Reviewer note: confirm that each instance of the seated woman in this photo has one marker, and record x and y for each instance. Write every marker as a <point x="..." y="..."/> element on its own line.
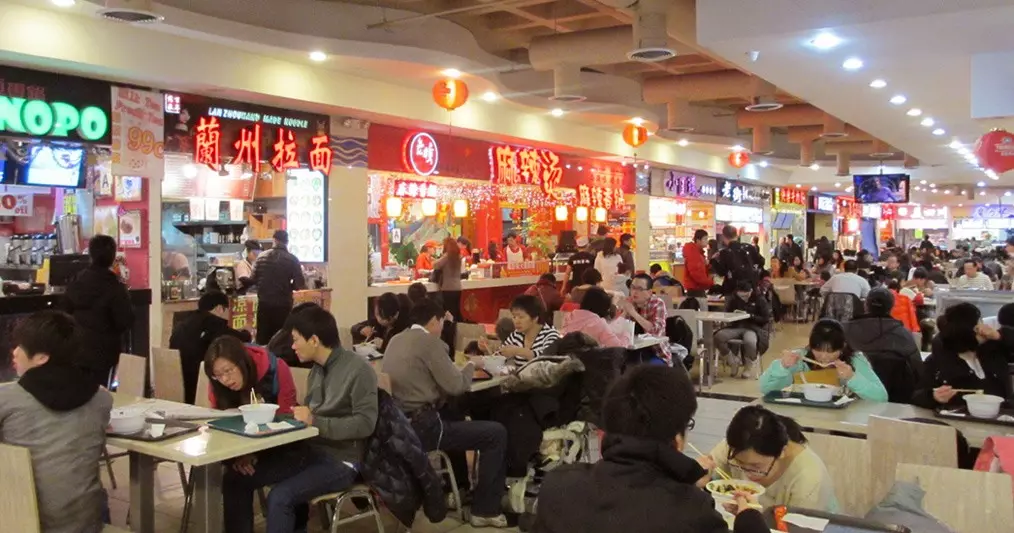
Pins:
<point x="797" y="270"/>
<point x="837" y="364"/>
<point x="237" y="370"/>
<point x="593" y="320"/>
<point x="753" y="331"/>
<point x="531" y="335"/>
<point x="967" y="354"/>
<point x="390" y="317"/>
<point x="590" y="278"/>
<point x="890" y="347"/>
<point x="771" y="450"/>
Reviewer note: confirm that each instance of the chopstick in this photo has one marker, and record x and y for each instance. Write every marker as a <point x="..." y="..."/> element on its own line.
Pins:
<point x="253" y="397"/>
<point x="721" y="472"/>
<point x="971" y="391"/>
<point x="816" y="362"/>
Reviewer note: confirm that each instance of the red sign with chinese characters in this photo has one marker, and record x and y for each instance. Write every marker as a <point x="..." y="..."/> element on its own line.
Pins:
<point x="285" y="151"/>
<point x="791" y="196"/>
<point x="847" y="207"/>
<point x="600" y="197"/>
<point x="421" y="154"/>
<point x="477" y="160"/>
<point x="415" y="189"/>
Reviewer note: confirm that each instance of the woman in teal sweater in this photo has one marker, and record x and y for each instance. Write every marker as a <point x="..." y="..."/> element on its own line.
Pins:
<point x="829" y="347"/>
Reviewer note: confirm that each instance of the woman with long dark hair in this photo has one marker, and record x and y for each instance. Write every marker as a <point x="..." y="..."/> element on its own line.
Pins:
<point x="447" y="274"/>
<point x="235" y="369"/>
<point x="390" y="317"/>
<point x="771" y="450"/>
<point x="836" y="364"/>
<point x="607" y="262"/>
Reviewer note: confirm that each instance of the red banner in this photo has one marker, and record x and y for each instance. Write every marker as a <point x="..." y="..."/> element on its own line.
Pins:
<point x="455" y="157"/>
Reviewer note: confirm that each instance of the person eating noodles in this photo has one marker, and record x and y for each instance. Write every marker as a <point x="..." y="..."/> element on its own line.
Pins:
<point x="237" y="371"/>
<point x="770" y="450"/>
<point x="531" y="334"/>
<point x="828" y="359"/>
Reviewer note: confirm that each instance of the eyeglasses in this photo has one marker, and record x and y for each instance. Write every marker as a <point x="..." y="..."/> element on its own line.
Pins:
<point x="691" y="424"/>
<point x="637" y="288"/>
<point x="747" y="470"/>
<point x="222" y="375"/>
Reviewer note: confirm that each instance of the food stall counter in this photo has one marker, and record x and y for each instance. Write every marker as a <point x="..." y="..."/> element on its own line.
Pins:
<point x="401" y="287"/>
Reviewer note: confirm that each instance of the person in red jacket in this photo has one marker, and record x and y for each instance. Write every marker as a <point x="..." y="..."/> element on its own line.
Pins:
<point x="696" y="278"/>
<point x="235" y="369"/>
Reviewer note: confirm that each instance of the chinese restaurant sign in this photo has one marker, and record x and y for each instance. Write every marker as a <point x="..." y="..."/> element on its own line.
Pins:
<point x="54" y="106"/>
<point x="824" y="204"/>
<point x="741" y="193"/>
<point x="993" y="211"/>
<point x="600" y="197"/>
<point x="688" y="185"/>
<point x="394" y="149"/>
<point x="415" y="189"/>
<point x="790" y="197"/>
<point x="217" y="132"/>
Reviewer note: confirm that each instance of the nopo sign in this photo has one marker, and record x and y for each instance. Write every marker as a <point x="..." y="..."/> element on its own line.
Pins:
<point x="51" y="119"/>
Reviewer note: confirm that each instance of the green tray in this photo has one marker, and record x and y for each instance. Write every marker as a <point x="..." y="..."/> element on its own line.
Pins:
<point x="235" y="424"/>
<point x="772" y="397"/>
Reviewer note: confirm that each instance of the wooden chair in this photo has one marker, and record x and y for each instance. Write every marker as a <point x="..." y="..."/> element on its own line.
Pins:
<point x="560" y="318"/>
<point x="900" y="441"/>
<point x="167" y="375"/>
<point x="504" y="313"/>
<point x="301" y="377"/>
<point x="966" y="500"/>
<point x="201" y="397"/>
<point x="345" y="337"/>
<point x="848" y="462"/>
<point x="130" y="373"/>
<point x="18" y="504"/>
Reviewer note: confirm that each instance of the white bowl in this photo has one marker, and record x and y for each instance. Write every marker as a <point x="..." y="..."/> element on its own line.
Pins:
<point x="260" y="413"/>
<point x="719" y="488"/>
<point x="494" y="364"/>
<point x="126" y="421"/>
<point x="983" y="405"/>
<point x="818" y="392"/>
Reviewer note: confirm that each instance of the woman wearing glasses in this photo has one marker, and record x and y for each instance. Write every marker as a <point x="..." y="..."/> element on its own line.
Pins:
<point x="771" y="450"/>
<point x="235" y="369"/>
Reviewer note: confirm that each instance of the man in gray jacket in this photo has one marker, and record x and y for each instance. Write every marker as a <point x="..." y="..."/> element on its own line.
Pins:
<point x="60" y="414"/>
<point x="341" y="402"/>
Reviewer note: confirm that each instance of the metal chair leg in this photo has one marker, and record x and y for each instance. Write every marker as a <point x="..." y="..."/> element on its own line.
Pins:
<point x="188" y="502"/>
<point x="109" y="467"/>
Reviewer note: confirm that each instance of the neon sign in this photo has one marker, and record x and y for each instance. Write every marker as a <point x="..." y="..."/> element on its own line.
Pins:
<point x="600" y="197"/>
<point x="320" y="154"/>
<point x="421" y="154"/>
<point x="56" y="119"/>
<point x="415" y="189"/>
<point x="790" y="196"/>
<point x="525" y="166"/>
<point x="285" y="151"/>
<point x="248" y="147"/>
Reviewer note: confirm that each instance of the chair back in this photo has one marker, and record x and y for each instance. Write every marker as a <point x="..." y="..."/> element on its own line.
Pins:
<point x="201" y="398"/>
<point x="786" y="292"/>
<point x="560" y="319"/>
<point x="467" y="331"/>
<point x="345" y="337"/>
<point x="967" y="501"/>
<point x="18" y="506"/>
<point x="301" y="378"/>
<point x="901" y="441"/>
<point x="842" y="306"/>
<point x="848" y="462"/>
<point x="130" y="373"/>
<point x="167" y="374"/>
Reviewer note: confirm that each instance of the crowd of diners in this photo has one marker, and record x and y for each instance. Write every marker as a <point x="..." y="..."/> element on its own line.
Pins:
<point x="59" y="411"/>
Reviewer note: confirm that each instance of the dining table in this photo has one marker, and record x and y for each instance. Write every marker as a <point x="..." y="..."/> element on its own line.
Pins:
<point x="203" y="451"/>
<point x="707" y="321"/>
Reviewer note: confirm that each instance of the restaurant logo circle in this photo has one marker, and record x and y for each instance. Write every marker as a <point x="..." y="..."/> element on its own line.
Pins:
<point x="421" y="154"/>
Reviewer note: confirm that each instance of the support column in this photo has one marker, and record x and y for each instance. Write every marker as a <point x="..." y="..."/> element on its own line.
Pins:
<point x="642" y="231"/>
<point x="347" y="241"/>
<point x="155" y="259"/>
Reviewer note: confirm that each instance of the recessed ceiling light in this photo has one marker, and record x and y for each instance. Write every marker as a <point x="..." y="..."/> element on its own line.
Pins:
<point x="852" y="63"/>
<point x="934" y="185"/>
<point x="451" y="72"/>
<point x="763" y="164"/>
<point x="898" y="99"/>
<point x="737" y="148"/>
<point x="683" y="142"/>
<point x="918" y="188"/>
<point x="928" y="121"/>
<point x="947" y="191"/>
<point x="962" y="192"/>
<point x="961" y="205"/>
<point x="815" y="166"/>
<point x="955" y="145"/>
<point x="878" y="83"/>
<point x="982" y="193"/>
<point x="637" y="121"/>
<point x="825" y="40"/>
<point x="992" y="174"/>
<point x="1006" y="193"/>
<point x="318" y="56"/>
<point x="837" y="184"/>
<point x="981" y="184"/>
<point x="799" y="186"/>
<point x="914" y="112"/>
<point x="813" y="188"/>
<point x="939" y="131"/>
<point x="490" y="96"/>
<point x="556" y="112"/>
<point x="64" y="3"/>
<point x="922" y="182"/>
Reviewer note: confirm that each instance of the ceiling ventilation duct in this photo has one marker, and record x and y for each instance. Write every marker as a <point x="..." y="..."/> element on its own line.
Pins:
<point x="651" y="38"/>
<point x="567" y="84"/>
<point x="130" y="11"/>
<point x="759" y="104"/>
<point x="880" y="150"/>
<point x="842" y="164"/>
<point x="679" y="117"/>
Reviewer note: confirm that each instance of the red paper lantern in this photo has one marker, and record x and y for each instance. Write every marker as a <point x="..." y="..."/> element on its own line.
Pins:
<point x="739" y="159"/>
<point x="995" y="151"/>
<point x="635" y="135"/>
<point x="450" y="94"/>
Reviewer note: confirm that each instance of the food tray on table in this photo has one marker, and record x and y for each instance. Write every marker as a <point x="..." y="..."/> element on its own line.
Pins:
<point x="235" y="424"/>
<point x="797" y="398"/>
<point x="799" y="520"/>
<point x="171" y="430"/>
<point x="481" y="375"/>
<point x="1005" y="418"/>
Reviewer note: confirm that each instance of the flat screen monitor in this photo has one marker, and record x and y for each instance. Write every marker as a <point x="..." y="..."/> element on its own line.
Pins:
<point x="54" y="166"/>
<point x="64" y="268"/>
<point x="881" y="188"/>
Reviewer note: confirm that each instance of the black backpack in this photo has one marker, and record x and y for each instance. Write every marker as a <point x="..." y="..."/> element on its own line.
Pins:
<point x="741" y="266"/>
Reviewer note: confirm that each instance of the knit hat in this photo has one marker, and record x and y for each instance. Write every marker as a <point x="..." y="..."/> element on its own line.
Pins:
<point x="880" y="301"/>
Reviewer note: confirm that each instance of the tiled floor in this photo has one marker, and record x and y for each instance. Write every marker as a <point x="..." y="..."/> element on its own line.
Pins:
<point x="712" y="419"/>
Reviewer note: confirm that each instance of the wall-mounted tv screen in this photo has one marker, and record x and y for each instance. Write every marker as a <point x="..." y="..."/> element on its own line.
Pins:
<point x="54" y="166"/>
<point x="881" y="188"/>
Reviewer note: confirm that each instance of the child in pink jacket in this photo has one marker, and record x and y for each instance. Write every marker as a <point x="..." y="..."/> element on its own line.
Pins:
<point x="591" y="319"/>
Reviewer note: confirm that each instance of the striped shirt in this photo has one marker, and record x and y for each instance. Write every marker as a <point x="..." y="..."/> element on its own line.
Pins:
<point x="546" y="336"/>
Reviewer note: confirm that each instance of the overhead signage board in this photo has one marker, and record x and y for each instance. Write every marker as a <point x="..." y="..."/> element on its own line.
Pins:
<point x="53" y="106"/>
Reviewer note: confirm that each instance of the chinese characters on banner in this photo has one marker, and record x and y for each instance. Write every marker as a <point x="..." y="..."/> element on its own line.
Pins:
<point x="138" y="129"/>
<point x="790" y="196"/>
<point x="421" y="154"/>
<point x="208" y="141"/>
<point x="600" y="197"/>
<point x="526" y="166"/>
<point x="415" y="189"/>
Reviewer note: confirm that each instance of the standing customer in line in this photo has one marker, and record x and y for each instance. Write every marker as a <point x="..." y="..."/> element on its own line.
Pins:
<point x="447" y="274"/>
<point x="276" y="273"/>
<point x="101" y="306"/>
<point x="696" y="278"/>
<point x="607" y="262"/>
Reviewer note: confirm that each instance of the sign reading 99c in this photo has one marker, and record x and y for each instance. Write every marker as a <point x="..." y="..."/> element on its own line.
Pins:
<point x="51" y="119"/>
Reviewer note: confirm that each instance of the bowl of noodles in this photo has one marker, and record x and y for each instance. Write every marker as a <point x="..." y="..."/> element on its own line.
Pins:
<point x="726" y="489"/>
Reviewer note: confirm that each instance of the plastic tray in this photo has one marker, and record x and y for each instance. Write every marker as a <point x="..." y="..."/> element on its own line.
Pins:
<point x="773" y="397"/>
<point x="961" y="413"/>
<point x="235" y="424"/>
<point x="145" y="434"/>
<point x="837" y="523"/>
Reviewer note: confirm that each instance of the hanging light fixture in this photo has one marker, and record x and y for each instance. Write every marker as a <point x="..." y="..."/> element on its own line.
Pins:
<point x="429" y="207"/>
<point x="600" y="214"/>
<point x="561" y="213"/>
<point x="581" y="213"/>
<point x="394" y="207"/>
<point x="460" y="208"/>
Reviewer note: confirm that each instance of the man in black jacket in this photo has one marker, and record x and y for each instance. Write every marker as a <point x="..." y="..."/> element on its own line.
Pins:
<point x="644" y="482"/>
<point x="735" y="261"/>
<point x="193" y="336"/>
<point x="890" y="347"/>
<point x="276" y="273"/>
<point x="753" y="331"/>
<point x="101" y="305"/>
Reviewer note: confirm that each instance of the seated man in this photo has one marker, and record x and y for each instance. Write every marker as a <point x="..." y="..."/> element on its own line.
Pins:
<point x="422" y="377"/>
<point x="848" y="281"/>
<point x="973" y="277"/>
<point x="60" y="414"/>
<point x="649" y="315"/>
<point x="341" y="402"/>
<point x="890" y="347"/>
<point x="193" y="336"/>
<point x="752" y="331"/>
<point x="644" y="482"/>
